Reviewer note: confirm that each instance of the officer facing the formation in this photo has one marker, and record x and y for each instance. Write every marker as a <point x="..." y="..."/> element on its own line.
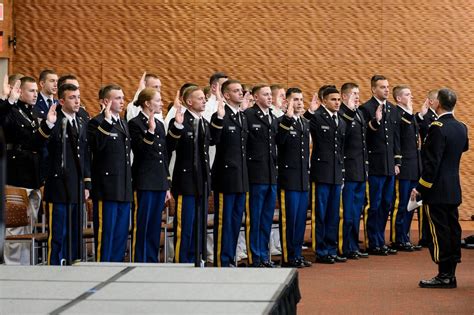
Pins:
<point x="261" y="162"/>
<point x="63" y="184"/>
<point x="150" y="176"/>
<point x="440" y="189"/>
<point x="410" y="170"/>
<point x="383" y="145"/>
<point x="229" y="175"/>
<point x="190" y="136"/>
<point x="293" y="179"/>
<point x="109" y="140"/>
<point x="356" y="168"/>
<point x="327" y="132"/>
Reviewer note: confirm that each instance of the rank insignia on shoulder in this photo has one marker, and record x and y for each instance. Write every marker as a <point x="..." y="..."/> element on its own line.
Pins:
<point x="437" y="123"/>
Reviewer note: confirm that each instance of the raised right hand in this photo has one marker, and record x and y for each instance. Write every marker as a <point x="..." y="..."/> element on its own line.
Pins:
<point x="314" y="105"/>
<point x="378" y="113"/>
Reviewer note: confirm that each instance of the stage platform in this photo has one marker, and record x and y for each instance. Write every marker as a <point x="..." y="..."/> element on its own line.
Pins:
<point x="108" y="288"/>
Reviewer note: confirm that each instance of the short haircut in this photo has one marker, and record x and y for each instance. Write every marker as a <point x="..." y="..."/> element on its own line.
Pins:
<point x="184" y="87"/>
<point x="225" y="85"/>
<point x="348" y="86"/>
<point x="447" y="99"/>
<point x="258" y="87"/>
<point x="291" y="91"/>
<point x="12" y="78"/>
<point x="433" y="94"/>
<point x="206" y="90"/>
<point x="398" y="90"/>
<point x="330" y="90"/>
<point x="66" y="77"/>
<point x="26" y="80"/>
<point x="108" y="88"/>
<point x="275" y="87"/>
<point x="147" y="94"/>
<point x="150" y="76"/>
<point x="216" y="76"/>
<point x="246" y="88"/>
<point x="324" y="87"/>
<point x="375" y="79"/>
<point x="44" y="74"/>
<point x="66" y="87"/>
<point x="189" y="91"/>
<point x="101" y="93"/>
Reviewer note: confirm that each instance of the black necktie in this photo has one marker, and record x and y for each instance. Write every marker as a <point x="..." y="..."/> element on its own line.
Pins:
<point x="74" y="125"/>
<point x="50" y="102"/>
<point x="334" y="117"/>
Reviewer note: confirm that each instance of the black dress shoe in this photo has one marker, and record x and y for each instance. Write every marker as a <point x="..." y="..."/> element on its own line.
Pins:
<point x="390" y="251"/>
<point x="292" y="264"/>
<point x="377" y="251"/>
<point x="362" y="255"/>
<point x="439" y="282"/>
<point x="339" y="259"/>
<point x="417" y="247"/>
<point x="352" y="255"/>
<point x="268" y="264"/>
<point x="304" y="262"/>
<point x="406" y="247"/>
<point x="324" y="260"/>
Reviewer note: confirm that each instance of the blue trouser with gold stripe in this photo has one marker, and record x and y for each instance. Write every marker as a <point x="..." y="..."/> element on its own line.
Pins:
<point x="147" y="212"/>
<point x="325" y="210"/>
<point x="353" y="197"/>
<point x="292" y="221"/>
<point x="184" y="228"/>
<point x="378" y="207"/>
<point x="259" y="219"/>
<point x="401" y="218"/>
<point x="111" y="225"/>
<point x="229" y="209"/>
<point x="57" y="238"/>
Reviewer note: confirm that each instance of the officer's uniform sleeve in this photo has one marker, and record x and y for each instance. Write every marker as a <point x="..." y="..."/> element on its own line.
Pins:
<point x="373" y="124"/>
<point x="433" y="151"/>
<point x="283" y="129"/>
<point x="397" y="152"/>
<point x="172" y="137"/>
<point x="308" y="115"/>
<point x="217" y="125"/>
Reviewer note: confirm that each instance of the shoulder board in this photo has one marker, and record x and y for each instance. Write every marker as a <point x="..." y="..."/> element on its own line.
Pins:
<point x="437" y="123"/>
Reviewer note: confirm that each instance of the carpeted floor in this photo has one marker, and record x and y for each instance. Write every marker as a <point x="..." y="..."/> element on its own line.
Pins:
<point x="386" y="285"/>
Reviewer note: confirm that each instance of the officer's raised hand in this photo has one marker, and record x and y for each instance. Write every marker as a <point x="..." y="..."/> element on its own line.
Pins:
<point x="246" y="102"/>
<point x="425" y="107"/>
<point x="52" y="115"/>
<point x="13" y="92"/>
<point x="314" y="105"/>
<point x="290" y="112"/>
<point x="177" y="102"/>
<point x="107" y="111"/>
<point x="378" y="113"/>
<point x="220" y="102"/>
<point x="151" y="122"/>
<point x="179" y="116"/>
<point x="351" y="101"/>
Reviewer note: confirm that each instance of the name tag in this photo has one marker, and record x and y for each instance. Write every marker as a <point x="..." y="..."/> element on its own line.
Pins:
<point x="325" y="127"/>
<point x="256" y="126"/>
<point x="189" y="133"/>
<point x="231" y="127"/>
<point x="293" y="132"/>
<point x="113" y="134"/>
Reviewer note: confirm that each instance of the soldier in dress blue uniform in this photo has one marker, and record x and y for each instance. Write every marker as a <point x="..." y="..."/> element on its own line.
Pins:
<point x="150" y="176"/>
<point x="62" y="185"/>
<point x="356" y="167"/>
<point x="293" y="179"/>
<point x="383" y="145"/>
<point x="48" y="80"/>
<point x="229" y="175"/>
<point x="410" y="170"/>
<point x="109" y="140"/>
<point x="440" y="189"/>
<point x="190" y="136"/>
<point x="327" y="132"/>
<point x="25" y="135"/>
<point x="261" y="162"/>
